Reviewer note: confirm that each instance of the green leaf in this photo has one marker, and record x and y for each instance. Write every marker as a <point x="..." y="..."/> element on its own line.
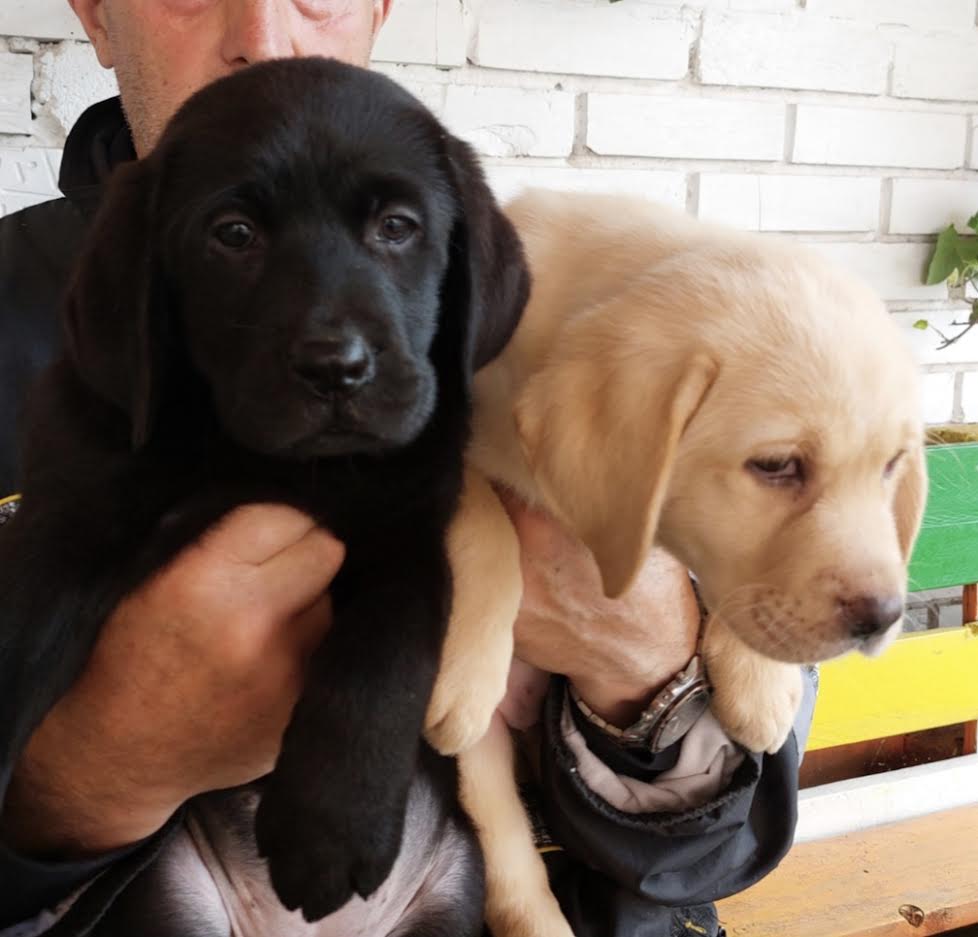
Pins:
<point x="921" y="324"/>
<point x="946" y="258"/>
<point x="973" y="222"/>
<point x="968" y="249"/>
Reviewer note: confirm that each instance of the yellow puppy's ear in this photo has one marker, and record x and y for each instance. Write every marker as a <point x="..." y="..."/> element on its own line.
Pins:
<point x="601" y="437"/>
<point x="911" y="497"/>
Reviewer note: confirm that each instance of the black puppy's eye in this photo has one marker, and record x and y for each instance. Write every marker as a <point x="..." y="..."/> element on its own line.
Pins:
<point x="777" y="470"/>
<point x="235" y="235"/>
<point x="396" y="229"/>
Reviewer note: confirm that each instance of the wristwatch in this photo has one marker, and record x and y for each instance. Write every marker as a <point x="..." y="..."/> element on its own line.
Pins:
<point x="670" y="715"/>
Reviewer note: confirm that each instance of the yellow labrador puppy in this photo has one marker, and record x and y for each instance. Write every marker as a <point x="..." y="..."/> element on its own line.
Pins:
<point x="725" y="395"/>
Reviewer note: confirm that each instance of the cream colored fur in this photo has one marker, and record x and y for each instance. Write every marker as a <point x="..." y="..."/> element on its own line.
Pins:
<point x="657" y="357"/>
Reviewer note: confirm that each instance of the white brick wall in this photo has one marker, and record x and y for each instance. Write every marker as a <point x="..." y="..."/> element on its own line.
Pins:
<point x="926" y="206"/>
<point x="28" y="171"/>
<point x="792" y="51"/>
<point x="690" y="127"/>
<point x="511" y="121"/>
<point x="924" y="344"/>
<point x="941" y="14"/>
<point x="895" y="271"/>
<point x="16" y="74"/>
<point x="579" y="37"/>
<point x="944" y="68"/>
<point x="938" y="396"/>
<point x="859" y="136"/>
<point x="850" y="124"/>
<point x="969" y="397"/>
<point x="790" y="203"/>
<point x="40" y="19"/>
<point x="666" y="187"/>
<point x="430" y="32"/>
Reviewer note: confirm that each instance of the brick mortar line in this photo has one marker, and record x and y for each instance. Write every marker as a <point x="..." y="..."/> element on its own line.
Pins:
<point x="957" y="405"/>
<point x="579" y="146"/>
<point x="591" y="160"/>
<point x="915" y="307"/>
<point x="886" y="204"/>
<point x="693" y="194"/>
<point x="951" y="367"/>
<point x="586" y="159"/>
<point x="790" y="130"/>
<point x="600" y="84"/>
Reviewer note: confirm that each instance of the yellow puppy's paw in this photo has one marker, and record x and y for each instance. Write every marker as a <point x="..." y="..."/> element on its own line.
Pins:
<point x="454" y="727"/>
<point x="462" y="704"/>
<point x="540" y="917"/>
<point x="759" y="713"/>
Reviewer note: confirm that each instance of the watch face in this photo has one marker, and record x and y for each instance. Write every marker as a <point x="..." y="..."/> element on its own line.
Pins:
<point x="680" y="717"/>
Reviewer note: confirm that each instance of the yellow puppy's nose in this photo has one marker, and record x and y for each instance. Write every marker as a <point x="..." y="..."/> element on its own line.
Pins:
<point x="868" y="615"/>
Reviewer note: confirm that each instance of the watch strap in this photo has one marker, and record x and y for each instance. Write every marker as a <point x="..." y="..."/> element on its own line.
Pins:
<point x="638" y="763"/>
<point x="667" y="717"/>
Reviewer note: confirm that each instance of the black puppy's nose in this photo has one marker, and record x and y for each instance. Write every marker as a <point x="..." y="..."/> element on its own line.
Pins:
<point x="337" y="363"/>
<point x="869" y="615"/>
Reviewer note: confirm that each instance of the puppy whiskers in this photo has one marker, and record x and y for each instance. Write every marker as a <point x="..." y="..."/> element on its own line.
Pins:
<point x="754" y="602"/>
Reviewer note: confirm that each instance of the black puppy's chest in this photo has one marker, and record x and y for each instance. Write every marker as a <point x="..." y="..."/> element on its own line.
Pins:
<point x="374" y="504"/>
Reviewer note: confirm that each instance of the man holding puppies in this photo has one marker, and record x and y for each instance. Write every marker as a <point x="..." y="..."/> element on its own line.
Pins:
<point x="195" y="674"/>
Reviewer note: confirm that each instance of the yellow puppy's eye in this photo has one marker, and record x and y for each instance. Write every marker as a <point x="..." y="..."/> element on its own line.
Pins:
<point x="777" y="470"/>
<point x="892" y="464"/>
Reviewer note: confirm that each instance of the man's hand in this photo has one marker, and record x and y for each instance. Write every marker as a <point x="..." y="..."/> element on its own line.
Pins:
<point x="617" y="652"/>
<point x="189" y="689"/>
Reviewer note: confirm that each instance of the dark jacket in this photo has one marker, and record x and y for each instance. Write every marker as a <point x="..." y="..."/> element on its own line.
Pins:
<point x="617" y="874"/>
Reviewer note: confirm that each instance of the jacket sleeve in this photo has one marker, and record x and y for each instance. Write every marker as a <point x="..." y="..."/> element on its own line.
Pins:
<point x="68" y="898"/>
<point x="621" y="871"/>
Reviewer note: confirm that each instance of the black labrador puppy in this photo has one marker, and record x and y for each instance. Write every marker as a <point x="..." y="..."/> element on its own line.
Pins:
<point x="285" y="301"/>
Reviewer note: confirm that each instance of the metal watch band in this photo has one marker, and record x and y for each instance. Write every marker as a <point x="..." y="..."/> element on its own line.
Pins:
<point x="667" y="718"/>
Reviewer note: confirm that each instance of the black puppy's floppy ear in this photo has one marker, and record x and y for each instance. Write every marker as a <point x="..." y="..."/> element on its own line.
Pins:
<point x="114" y="317"/>
<point x="498" y="279"/>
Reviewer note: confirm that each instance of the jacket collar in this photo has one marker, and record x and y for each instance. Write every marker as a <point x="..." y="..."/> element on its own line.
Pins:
<point x="99" y="141"/>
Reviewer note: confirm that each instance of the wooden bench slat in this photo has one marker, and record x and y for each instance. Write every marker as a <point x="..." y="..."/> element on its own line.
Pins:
<point x="927" y="679"/>
<point x="855" y="885"/>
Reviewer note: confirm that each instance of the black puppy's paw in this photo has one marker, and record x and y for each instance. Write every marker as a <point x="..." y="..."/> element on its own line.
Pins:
<point x="319" y="856"/>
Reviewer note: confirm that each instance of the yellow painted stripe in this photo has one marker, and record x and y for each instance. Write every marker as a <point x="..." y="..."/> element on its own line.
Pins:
<point x="9" y="499"/>
<point x="925" y="680"/>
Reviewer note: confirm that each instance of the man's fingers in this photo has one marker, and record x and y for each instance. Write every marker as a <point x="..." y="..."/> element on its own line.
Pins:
<point x="254" y="533"/>
<point x="311" y="625"/>
<point x="295" y="577"/>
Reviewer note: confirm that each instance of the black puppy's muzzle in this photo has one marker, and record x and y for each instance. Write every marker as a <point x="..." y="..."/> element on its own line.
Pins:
<point x="333" y="363"/>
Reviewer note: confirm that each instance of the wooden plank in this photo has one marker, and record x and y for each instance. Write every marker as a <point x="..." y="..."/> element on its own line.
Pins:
<point x="969" y="603"/>
<point x="875" y="756"/>
<point x="946" y="553"/>
<point x="926" y="679"/>
<point x="970" y="746"/>
<point x="952" y="433"/>
<point x="909" y="879"/>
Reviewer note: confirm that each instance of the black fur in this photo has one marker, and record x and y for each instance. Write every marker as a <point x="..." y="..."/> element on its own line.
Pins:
<point x="194" y="382"/>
